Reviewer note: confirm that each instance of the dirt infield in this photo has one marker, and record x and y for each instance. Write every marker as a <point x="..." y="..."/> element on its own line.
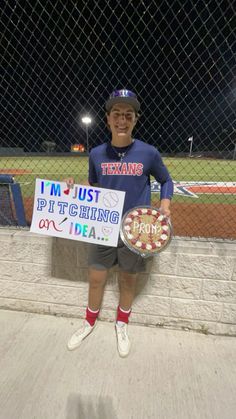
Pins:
<point x="213" y="189"/>
<point x="204" y="220"/>
<point x="191" y="220"/>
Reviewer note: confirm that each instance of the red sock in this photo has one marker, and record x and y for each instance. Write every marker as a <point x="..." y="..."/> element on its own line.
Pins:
<point x="91" y="316"/>
<point x="123" y="315"/>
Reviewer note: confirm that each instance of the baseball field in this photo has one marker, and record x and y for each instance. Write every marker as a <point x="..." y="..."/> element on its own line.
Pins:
<point x="210" y="212"/>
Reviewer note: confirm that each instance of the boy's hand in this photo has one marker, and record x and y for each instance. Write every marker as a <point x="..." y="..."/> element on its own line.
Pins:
<point x="69" y="182"/>
<point x="165" y="207"/>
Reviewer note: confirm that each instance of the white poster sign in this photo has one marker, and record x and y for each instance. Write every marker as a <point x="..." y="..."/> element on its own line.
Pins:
<point x="83" y="213"/>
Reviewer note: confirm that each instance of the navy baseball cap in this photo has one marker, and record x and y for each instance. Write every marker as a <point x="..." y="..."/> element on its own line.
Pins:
<point x="123" y="96"/>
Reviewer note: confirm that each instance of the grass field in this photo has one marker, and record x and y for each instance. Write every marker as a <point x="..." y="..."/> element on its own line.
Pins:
<point x="57" y="168"/>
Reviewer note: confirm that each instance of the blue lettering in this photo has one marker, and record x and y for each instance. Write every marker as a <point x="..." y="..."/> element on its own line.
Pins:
<point x="62" y="206"/>
<point x="93" y="213"/>
<point x="114" y="217"/>
<point x="41" y="204"/>
<point x="97" y="194"/>
<point x="73" y="210"/>
<point x="84" y="212"/>
<point x="80" y="196"/>
<point x="77" y="228"/>
<point x="103" y="215"/>
<point x="51" y="206"/>
<point x="55" y="189"/>
<point x="90" y="196"/>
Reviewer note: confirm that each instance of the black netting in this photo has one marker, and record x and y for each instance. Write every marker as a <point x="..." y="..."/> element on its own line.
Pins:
<point x="62" y="59"/>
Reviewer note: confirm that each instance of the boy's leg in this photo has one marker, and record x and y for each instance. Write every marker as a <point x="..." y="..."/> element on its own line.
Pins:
<point x="101" y="259"/>
<point x="127" y="285"/>
<point x="130" y="264"/>
<point x="97" y="280"/>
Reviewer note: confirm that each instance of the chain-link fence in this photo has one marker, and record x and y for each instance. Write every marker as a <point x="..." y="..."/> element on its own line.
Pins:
<point x="62" y="59"/>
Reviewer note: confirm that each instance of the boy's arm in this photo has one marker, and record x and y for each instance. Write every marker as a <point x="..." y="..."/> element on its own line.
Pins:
<point x="165" y="207"/>
<point x="161" y="174"/>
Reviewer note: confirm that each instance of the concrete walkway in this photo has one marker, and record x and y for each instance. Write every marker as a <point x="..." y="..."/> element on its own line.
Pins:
<point x="169" y="374"/>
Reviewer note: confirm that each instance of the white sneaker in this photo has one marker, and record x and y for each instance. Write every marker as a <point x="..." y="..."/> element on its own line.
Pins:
<point x="123" y="342"/>
<point x="77" y="338"/>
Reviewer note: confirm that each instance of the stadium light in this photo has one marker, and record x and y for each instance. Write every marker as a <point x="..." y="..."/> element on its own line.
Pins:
<point x="87" y="121"/>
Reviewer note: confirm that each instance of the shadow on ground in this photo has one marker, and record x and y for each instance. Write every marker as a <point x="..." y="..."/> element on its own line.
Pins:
<point x="89" y="407"/>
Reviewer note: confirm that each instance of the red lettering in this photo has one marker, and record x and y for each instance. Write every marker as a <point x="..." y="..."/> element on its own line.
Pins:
<point x="47" y="223"/>
<point x="124" y="169"/>
<point x="110" y="169"/>
<point x="132" y="169"/>
<point x="139" y="170"/>
<point x="104" y="167"/>
<point x="116" y="168"/>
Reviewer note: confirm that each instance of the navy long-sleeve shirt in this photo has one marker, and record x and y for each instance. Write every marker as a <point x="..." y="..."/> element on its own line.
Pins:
<point x="131" y="173"/>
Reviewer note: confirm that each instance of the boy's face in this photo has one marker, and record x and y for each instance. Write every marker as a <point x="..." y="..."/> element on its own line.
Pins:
<point x="121" y="120"/>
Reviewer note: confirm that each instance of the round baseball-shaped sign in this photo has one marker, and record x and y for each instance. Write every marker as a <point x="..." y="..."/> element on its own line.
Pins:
<point x="110" y="199"/>
<point x="145" y="230"/>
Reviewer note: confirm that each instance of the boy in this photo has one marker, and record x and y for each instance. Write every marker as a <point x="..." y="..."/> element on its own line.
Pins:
<point x="109" y="168"/>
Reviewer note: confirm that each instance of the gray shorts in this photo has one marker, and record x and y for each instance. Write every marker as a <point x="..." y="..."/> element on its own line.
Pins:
<point x="104" y="257"/>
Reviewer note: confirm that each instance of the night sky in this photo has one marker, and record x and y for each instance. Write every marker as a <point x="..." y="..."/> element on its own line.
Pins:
<point x="62" y="59"/>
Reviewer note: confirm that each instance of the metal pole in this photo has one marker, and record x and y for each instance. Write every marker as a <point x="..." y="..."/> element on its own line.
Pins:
<point x="191" y="147"/>
<point x="87" y="140"/>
